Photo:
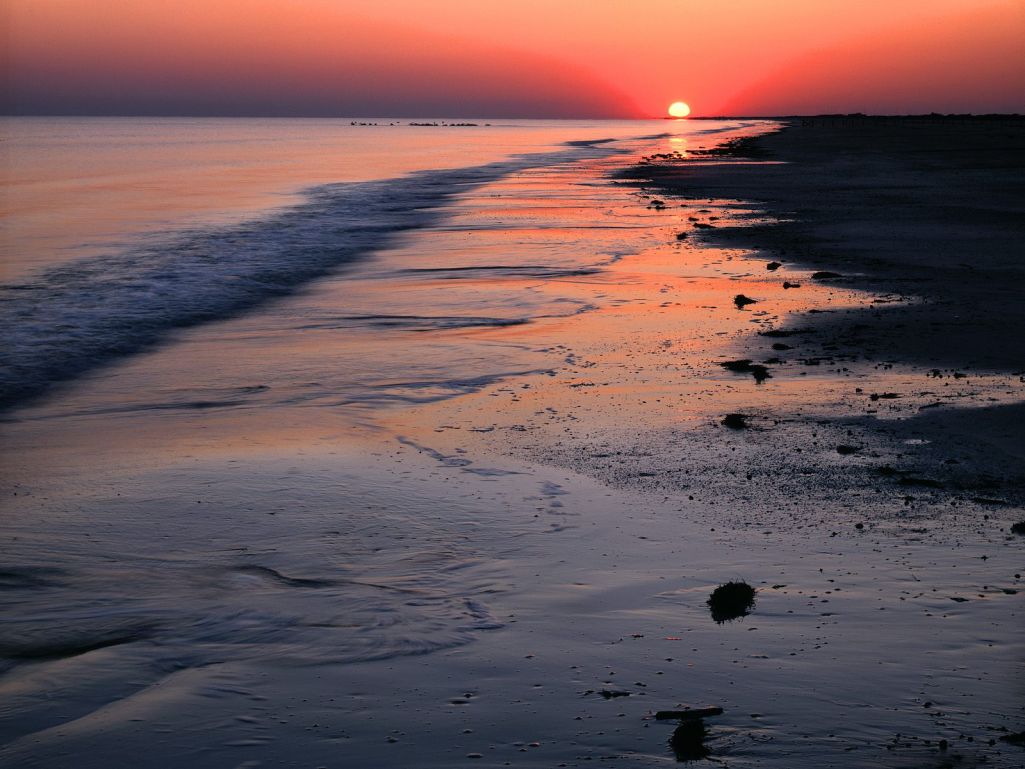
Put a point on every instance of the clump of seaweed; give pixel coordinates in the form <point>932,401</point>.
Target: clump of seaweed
<point>745,366</point>
<point>688,740</point>
<point>731,601</point>
<point>735,421</point>
<point>741,301</point>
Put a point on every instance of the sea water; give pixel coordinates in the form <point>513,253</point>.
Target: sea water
<point>118,231</point>
<point>204,323</point>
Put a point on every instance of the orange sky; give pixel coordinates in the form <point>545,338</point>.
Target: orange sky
<point>490,58</point>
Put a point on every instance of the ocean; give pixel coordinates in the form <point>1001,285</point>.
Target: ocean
<point>222,291</point>
<point>118,232</point>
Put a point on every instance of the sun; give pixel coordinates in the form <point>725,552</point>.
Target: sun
<point>679,109</point>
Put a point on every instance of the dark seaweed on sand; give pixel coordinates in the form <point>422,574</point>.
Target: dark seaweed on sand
<point>742,301</point>
<point>735,421</point>
<point>688,740</point>
<point>731,601</point>
<point>745,366</point>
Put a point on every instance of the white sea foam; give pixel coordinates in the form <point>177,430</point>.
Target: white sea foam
<point>69,319</point>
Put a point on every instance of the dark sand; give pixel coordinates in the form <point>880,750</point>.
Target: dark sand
<point>930,207</point>
<point>883,453</point>
<point>928,213</point>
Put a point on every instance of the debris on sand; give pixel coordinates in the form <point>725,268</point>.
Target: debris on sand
<point>731,601</point>
<point>735,421</point>
<point>825,275</point>
<point>781,346</point>
<point>788,284</point>
<point>702,226</point>
<point>883,396</point>
<point>610,694</point>
<point>681,236</point>
<point>689,714</point>
<point>1018,738</point>
<point>759,372</point>
<point>741,366</point>
<point>688,741</point>
<point>909,480</point>
<point>987,501</point>
<point>741,301</point>
<point>745,366</point>
<point>844,449</point>
<point>773,266</point>
<point>1018,528</point>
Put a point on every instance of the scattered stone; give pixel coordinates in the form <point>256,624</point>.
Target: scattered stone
<point>741,366</point>
<point>735,421</point>
<point>909,480</point>
<point>731,601</point>
<point>613,693</point>
<point>788,284</point>
<point>781,346</point>
<point>688,741</point>
<point>773,266</point>
<point>1017,738</point>
<point>745,366</point>
<point>681,236</point>
<point>825,275</point>
<point>859,526</point>
<point>741,301</point>
<point>760,373</point>
<point>702,226</point>
<point>1018,528</point>
<point>843,448</point>
<point>683,715</point>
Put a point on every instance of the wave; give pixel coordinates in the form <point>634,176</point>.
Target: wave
<point>66,321</point>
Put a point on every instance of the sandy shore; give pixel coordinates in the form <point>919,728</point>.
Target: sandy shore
<point>891,416</point>
<point>928,215</point>
<point>517,575</point>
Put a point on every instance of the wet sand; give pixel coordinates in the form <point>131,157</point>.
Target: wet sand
<point>929,215</point>
<point>885,441</point>
<point>553,534</point>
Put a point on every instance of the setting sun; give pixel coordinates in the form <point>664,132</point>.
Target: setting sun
<point>679,109</point>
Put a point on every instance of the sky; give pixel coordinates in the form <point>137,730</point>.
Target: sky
<point>504,58</point>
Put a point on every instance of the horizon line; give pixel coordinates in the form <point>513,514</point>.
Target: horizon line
<point>264,116</point>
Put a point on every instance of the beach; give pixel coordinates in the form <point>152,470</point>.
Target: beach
<point>455,490</point>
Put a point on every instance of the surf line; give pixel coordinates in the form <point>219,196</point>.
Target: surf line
<point>68,320</point>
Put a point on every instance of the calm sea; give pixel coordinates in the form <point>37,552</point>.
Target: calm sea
<point>191,305</point>
<point>118,231</point>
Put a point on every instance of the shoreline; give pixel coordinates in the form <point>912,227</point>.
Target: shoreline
<point>931,220</point>
<point>841,444</point>
<point>550,538</point>
<point>892,206</point>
